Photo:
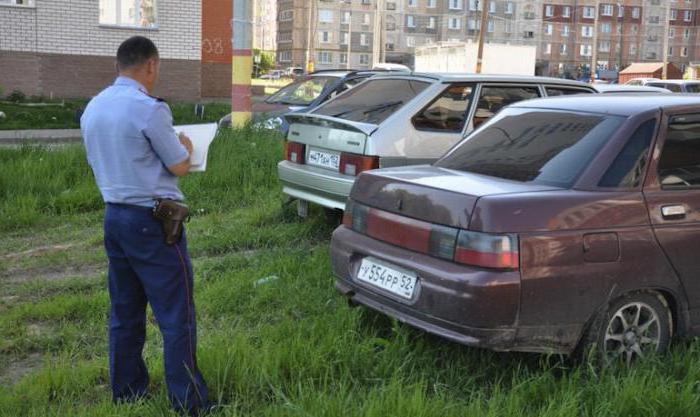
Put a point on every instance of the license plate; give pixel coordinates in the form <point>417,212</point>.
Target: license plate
<point>324,159</point>
<point>389,278</point>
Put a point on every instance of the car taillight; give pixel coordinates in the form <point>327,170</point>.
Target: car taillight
<point>462,246</point>
<point>487,250</point>
<point>294,152</point>
<point>353,164</point>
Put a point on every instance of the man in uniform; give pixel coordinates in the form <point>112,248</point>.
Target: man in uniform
<point>136,158</point>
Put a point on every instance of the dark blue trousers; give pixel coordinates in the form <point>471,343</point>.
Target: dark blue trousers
<point>143,269</point>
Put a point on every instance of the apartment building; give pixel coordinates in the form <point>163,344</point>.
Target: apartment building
<point>265,25</point>
<point>565,32</point>
<point>67,49</point>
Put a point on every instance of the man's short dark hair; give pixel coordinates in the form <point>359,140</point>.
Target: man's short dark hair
<point>135,51</point>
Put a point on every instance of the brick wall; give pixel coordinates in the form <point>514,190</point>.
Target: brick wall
<point>216,48</point>
<point>59,47</point>
<point>83,76</point>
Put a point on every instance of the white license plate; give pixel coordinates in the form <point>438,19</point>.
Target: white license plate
<point>324,159</point>
<point>389,278</point>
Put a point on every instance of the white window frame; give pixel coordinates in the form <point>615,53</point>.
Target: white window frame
<point>607,10</point>
<point>410,21</point>
<point>325,54</point>
<point>432,4</point>
<point>636,13</point>
<point>18,3</point>
<point>566,11</point>
<point>137,7</point>
<point>587,31</point>
<point>326,16</point>
<point>510,7</point>
<point>565,31</point>
<point>589,12</point>
<point>549,10</point>
<point>456,5</point>
<point>364,59</point>
<point>454,23</point>
<point>687,15</point>
<point>363,39</point>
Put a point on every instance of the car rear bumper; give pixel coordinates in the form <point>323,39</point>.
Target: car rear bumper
<point>316,185</point>
<point>469,305</point>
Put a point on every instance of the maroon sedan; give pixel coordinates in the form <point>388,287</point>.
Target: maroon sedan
<point>561,223</point>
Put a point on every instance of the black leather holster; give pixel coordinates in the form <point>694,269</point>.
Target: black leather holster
<point>172,214</point>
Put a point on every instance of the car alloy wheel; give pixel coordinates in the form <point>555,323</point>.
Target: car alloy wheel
<point>635,327</point>
<point>632,333</point>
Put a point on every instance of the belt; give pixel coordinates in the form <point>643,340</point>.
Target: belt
<point>131,206</point>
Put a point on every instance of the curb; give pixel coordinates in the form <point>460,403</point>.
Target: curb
<point>40,136</point>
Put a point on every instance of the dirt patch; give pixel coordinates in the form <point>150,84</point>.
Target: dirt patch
<point>18,276</point>
<point>38,251</point>
<point>19,368</point>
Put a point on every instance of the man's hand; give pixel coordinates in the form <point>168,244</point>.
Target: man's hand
<point>186,142</point>
<point>183,168</point>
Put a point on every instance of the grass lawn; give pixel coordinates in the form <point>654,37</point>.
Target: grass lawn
<point>288,347</point>
<point>64,116</point>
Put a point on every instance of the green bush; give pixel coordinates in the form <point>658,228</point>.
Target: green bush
<point>17,97</point>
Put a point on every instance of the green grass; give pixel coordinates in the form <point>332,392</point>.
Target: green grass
<point>64,116</point>
<point>290,347</point>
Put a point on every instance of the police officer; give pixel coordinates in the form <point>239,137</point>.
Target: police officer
<point>136,157</point>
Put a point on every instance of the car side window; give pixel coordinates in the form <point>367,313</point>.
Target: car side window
<point>448,112</point>
<point>671,87</point>
<point>679,165</point>
<point>564,91</point>
<point>493,98</point>
<point>628,168</point>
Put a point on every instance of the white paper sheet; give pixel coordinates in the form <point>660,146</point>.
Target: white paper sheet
<point>201,136</point>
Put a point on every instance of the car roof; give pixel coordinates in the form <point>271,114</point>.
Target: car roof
<point>466,77</point>
<point>621,88</point>
<point>616,104</point>
<point>338,74</point>
<point>677,81</point>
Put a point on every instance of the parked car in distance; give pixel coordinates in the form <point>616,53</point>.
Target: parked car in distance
<point>294,71</point>
<point>394,120</point>
<point>272,75</point>
<point>627,89</point>
<point>387,66</point>
<point>562,223</point>
<point>306,92</point>
<point>677,86</point>
<point>641,81</point>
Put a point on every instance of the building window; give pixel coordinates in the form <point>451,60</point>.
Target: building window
<point>688,15</point>
<point>325,57</point>
<point>343,58</point>
<point>412,3</point>
<point>344,38</point>
<point>325,16</point>
<point>636,12</point>
<point>686,33</point>
<point>549,10</point>
<point>325,36</point>
<point>491,27</point>
<point>684,51</point>
<point>364,59</point>
<point>345,19</point>
<point>509,26</point>
<point>589,12</point>
<point>410,41</point>
<point>565,31</point>
<point>510,7</point>
<point>604,46</point>
<point>548,49</point>
<point>285,56</point>
<point>566,11</point>
<point>586,50</point>
<point>672,33</point>
<point>605,28</point>
<point>286,15</point>
<point>283,37</point>
<point>410,21</point>
<point>431,22</point>
<point>548,29</point>
<point>674,14</point>
<point>128,13</point>
<point>492,7</point>
<point>363,39</point>
<point>633,49</point>
<point>620,10</point>
<point>607,10</point>
<point>455,23</point>
<point>365,19</point>
<point>587,31</point>
<point>20,3</point>
<point>563,49</point>
<point>670,51</point>
<point>432,4</point>
<point>455,4</point>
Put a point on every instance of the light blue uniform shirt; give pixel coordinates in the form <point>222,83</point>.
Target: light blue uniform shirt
<point>130,140</point>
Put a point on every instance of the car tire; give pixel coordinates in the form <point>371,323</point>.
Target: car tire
<point>333,216</point>
<point>632,328</point>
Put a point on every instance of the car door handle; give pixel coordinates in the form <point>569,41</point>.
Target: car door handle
<point>673,212</point>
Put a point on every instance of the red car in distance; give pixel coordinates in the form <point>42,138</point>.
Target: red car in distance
<point>562,223</point>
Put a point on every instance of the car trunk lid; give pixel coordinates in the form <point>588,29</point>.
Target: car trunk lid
<point>329,133</point>
<point>432,194</point>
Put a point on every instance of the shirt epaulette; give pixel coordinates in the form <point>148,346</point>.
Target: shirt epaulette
<point>158,99</point>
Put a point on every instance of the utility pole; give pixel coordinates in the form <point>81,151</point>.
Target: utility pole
<point>349,50</point>
<point>377,36</point>
<point>667,29</point>
<point>482,34</point>
<point>594,52</point>
<point>242,62</point>
<point>309,61</point>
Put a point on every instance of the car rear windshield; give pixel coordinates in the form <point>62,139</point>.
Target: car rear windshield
<point>301,92</point>
<point>373,101</point>
<point>533,145</point>
<point>692,87</point>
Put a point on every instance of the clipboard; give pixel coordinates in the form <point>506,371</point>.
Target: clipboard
<point>201,136</point>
